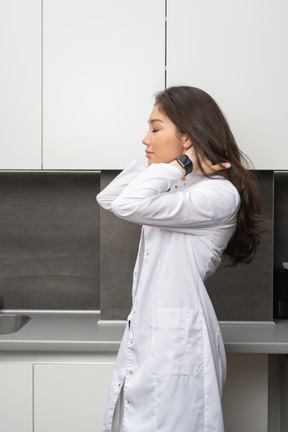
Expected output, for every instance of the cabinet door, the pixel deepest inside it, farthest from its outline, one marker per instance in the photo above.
(16, 397)
(245, 396)
(237, 51)
(103, 61)
(20, 84)
(70, 398)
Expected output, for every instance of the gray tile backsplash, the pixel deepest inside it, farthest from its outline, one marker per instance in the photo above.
(118, 248)
(281, 245)
(245, 292)
(241, 293)
(281, 216)
(58, 250)
(49, 237)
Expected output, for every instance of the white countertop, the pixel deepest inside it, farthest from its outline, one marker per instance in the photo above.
(56, 331)
(269, 338)
(85, 332)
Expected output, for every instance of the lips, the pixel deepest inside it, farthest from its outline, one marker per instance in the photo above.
(148, 154)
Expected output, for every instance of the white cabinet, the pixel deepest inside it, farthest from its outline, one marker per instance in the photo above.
(245, 395)
(238, 52)
(20, 84)
(16, 397)
(70, 398)
(77, 78)
(102, 62)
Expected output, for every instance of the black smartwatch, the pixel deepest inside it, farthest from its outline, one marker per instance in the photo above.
(185, 163)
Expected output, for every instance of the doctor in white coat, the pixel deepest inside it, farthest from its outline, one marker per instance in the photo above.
(195, 202)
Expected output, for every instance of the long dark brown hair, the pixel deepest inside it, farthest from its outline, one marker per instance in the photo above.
(196, 114)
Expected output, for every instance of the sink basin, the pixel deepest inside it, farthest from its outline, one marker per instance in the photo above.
(11, 323)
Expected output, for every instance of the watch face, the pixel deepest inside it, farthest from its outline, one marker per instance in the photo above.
(186, 159)
(186, 163)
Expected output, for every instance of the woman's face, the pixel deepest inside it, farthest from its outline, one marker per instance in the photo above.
(163, 143)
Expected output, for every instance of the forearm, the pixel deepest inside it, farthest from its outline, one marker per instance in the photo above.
(106, 197)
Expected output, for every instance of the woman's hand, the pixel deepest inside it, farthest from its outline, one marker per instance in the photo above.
(206, 164)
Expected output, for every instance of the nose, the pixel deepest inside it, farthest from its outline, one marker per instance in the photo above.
(146, 140)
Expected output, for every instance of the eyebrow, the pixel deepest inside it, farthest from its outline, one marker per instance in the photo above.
(155, 120)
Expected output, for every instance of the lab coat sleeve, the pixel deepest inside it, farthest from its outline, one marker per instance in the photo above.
(113, 190)
(148, 199)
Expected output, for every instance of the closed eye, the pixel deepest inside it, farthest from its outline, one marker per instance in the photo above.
(155, 130)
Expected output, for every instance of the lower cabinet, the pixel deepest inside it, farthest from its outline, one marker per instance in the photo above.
(16, 397)
(70, 398)
(245, 395)
(55, 395)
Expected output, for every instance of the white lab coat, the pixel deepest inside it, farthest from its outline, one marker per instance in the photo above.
(171, 365)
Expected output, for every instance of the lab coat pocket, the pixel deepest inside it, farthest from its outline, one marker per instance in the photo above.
(176, 342)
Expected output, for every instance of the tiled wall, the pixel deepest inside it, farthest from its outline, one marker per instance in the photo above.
(51, 228)
(49, 240)
(245, 292)
(281, 218)
(281, 245)
(118, 250)
(241, 293)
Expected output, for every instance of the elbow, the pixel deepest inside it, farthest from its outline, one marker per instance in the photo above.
(122, 209)
(103, 202)
(99, 199)
(117, 208)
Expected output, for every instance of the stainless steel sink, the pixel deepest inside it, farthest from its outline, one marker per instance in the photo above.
(11, 323)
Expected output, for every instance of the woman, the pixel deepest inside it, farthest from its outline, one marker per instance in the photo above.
(195, 201)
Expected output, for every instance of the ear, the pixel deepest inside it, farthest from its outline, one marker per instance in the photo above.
(186, 142)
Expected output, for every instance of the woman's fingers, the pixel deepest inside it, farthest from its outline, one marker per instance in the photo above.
(208, 168)
(206, 164)
(221, 166)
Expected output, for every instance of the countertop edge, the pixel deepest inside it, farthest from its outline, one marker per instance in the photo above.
(87, 333)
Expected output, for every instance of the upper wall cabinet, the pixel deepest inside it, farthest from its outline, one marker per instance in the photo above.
(237, 51)
(20, 84)
(102, 62)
